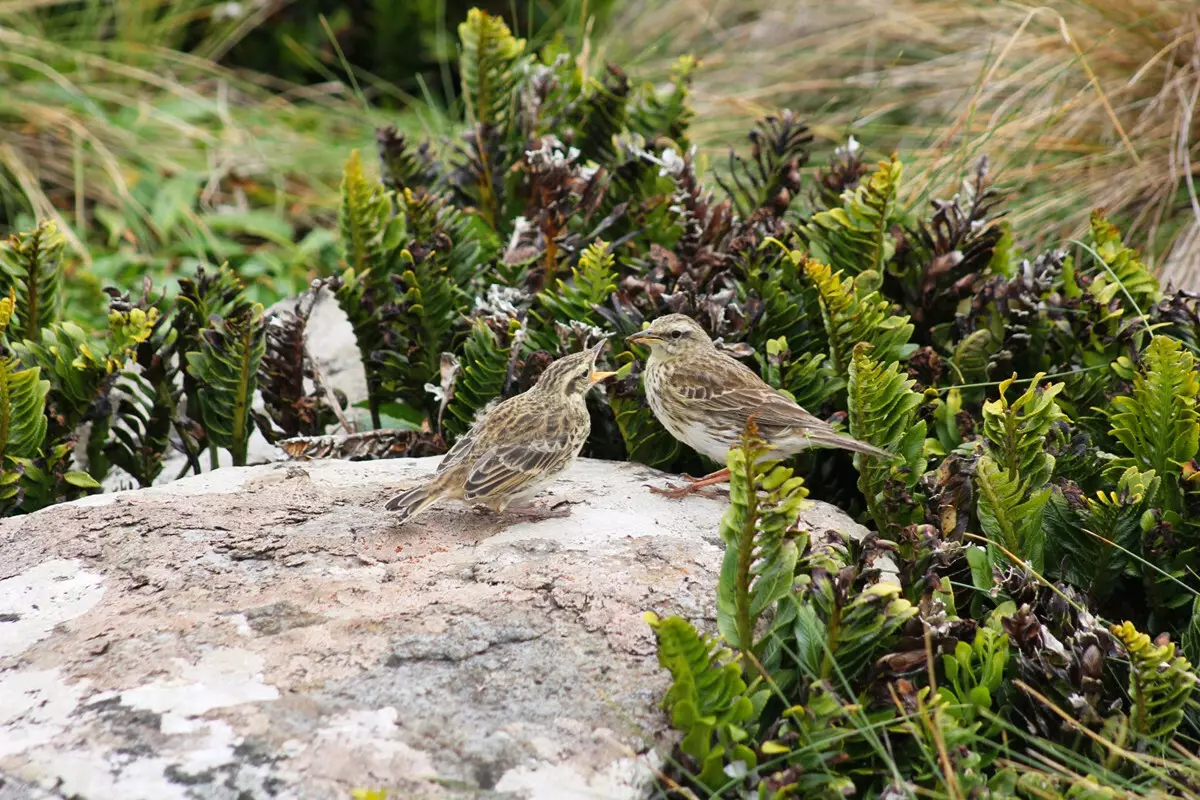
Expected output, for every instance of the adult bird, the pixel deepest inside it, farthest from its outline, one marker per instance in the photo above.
(703, 397)
(517, 446)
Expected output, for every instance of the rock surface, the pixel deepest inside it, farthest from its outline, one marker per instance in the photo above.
(269, 632)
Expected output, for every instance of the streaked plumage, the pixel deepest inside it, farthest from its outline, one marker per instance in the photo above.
(517, 446)
(703, 397)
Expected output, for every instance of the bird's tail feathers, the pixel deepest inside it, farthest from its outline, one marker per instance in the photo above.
(831, 438)
(415, 500)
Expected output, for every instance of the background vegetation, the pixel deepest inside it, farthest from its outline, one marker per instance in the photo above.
(1022, 620)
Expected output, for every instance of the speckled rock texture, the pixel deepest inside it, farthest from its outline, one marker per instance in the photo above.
(269, 632)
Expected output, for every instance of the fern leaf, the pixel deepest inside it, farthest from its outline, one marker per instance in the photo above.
(22, 410)
(1157, 422)
(1093, 537)
(840, 636)
(883, 412)
(855, 312)
(708, 699)
(1160, 685)
(482, 372)
(1011, 476)
(858, 236)
(1120, 276)
(1009, 513)
(592, 283)
(808, 378)
(227, 367)
(761, 542)
(363, 218)
(31, 266)
(77, 371)
(1016, 433)
(489, 66)
(419, 323)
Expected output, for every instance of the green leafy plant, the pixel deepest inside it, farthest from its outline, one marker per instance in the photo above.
(883, 412)
(761, 543)
(1160, 685)
(708, 699)
(226, 366)
(1012, 476)
(32, 265)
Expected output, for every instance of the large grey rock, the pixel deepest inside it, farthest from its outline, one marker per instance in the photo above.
(269, 632)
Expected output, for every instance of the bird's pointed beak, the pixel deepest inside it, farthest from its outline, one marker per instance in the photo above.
(643, 337)
(596, 377)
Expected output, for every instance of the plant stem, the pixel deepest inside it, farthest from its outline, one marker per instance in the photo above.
(745, 625)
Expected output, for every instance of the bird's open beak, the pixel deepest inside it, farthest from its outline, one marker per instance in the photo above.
(596, 377)
(643, 337)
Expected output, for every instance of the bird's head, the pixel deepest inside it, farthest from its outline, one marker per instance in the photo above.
(575, 374)
(674, 336)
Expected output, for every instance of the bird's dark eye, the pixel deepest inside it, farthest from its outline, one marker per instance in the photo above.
(676, 334)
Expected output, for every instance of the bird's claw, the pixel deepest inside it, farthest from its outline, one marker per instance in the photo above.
(680, 492)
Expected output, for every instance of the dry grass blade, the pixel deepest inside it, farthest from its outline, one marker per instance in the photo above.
(1080, 104)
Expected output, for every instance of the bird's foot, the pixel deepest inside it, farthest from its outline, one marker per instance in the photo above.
(694, 486)
(537, 511)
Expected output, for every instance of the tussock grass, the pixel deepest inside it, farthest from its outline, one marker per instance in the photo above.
(97, 98)
(1079, 104)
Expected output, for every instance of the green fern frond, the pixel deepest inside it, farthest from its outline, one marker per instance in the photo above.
(646, 440)
(141, 430)
(808, 378)
(483, 368)
(1121, 271)
(488, 68)
(22, 410)
(791, 306)
(76, 369)
(854, 312)
(883, 412)
(363, 218)
(839, 638)
(1094, 537)
(1011, 477)
(708, 699)
(858, 236)
(592, 282)
(1160, 685)
(420, 323)
(226, 365)
(1157, 422)
(1016, 433)
(31, 266)
(762, 543)
(203, 296)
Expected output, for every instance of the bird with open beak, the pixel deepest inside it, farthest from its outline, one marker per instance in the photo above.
(516, 447)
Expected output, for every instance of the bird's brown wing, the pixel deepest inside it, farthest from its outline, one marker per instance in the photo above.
(722, 393)
(508, 469)
(465, 444)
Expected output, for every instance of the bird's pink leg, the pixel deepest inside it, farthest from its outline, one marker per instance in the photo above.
(693, 485)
